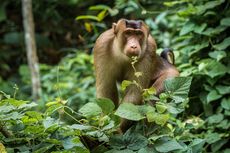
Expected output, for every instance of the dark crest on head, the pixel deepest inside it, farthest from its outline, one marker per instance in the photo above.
(133, 24)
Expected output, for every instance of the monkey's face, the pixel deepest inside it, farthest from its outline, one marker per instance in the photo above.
(133, 42)
(132, 37)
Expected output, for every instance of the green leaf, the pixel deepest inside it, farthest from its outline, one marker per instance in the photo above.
(188, 27)
(113, 12)
(209, 5)
(101, 15)
(174, 109)
(218, 55)
(120, 151)
(214, 31)
(80, 127)
(187, 11)
(225, 21)
(136, 141)
(224, 124)
(213, 95)
(216, 118)
(223, 89)
(12, 116)
(87, 17)
(27, 106)
(179, 87)
(99, 7)
(223, 45)
(130, 140)
(171, 4)
(161, 119)
(161, 108)
(48, 122)
(149, 111)
(34, 114)
(200, 29)
(148, 149)
(14, 102)
(129, 111)
(90, 110)
(215, 147)
(125, 84)
(168, 146)
(198, 48)
(156, 137)
(212, 68)
(6, 109)
(212, 137)
(149, 93)
(117, 142)
(197, 145)
(106, 105)
(70, 142)
(225, 103)
(51, 109)
(44, 148)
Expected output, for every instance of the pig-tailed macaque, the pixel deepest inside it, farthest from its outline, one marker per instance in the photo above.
(112, 59)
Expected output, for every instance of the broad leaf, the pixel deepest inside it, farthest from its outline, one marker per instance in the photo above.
(161, 119)
(218, 55)
(223, 45)
(217, 118)
(161, 108)
(212, 68)
(197, 145)
(212, 137)
(134, 141)
(179, 87)
(223, 89)
(214, 31)
(70, 142)
(120, 151)
(213, 95)
(225, 21)
(90, 110)
(209, 5)
(106, 105)
(129, 111)
(80, 127)
(168, 146)
(217, 145)
(48, 122)
(188, 27)
(130, 140)
(225, 103)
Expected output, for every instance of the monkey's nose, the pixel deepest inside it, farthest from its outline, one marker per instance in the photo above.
(134, 47)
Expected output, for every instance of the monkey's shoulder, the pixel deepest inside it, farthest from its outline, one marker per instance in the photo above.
(105, 37)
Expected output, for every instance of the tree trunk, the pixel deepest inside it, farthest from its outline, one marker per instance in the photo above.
(32, 58)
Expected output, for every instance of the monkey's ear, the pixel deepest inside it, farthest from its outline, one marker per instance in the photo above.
(115, 28)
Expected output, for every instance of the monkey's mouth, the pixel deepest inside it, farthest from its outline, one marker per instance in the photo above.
(131, 53)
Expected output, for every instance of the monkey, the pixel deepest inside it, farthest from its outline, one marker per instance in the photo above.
(113, 50)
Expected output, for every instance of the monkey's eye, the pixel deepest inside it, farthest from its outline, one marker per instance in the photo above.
(139, 33)
(128, 33)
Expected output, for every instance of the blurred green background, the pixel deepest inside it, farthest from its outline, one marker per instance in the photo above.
(65, 31)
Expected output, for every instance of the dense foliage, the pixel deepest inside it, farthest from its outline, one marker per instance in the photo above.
(68, 118)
